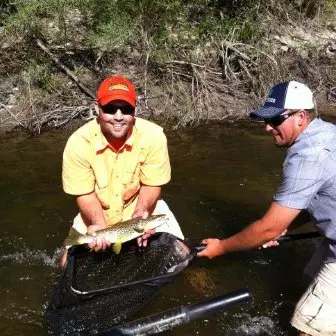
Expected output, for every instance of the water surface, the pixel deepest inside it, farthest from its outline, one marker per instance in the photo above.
(223, 177)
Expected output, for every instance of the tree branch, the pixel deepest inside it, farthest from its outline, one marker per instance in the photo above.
(61, 66)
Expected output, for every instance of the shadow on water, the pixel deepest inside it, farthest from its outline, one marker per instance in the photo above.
(223, 177)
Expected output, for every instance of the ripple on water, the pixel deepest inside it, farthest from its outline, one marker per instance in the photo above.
(261, 260)
(245, 324)
(25, 255)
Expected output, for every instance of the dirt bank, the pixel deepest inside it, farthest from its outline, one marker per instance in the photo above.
(55, 85)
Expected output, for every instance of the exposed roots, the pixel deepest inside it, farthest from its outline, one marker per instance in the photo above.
(220, 90)
(227, 88)
(228, 84)
(34, 122)
(56, 118)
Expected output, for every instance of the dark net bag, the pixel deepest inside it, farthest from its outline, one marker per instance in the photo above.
(100, 290)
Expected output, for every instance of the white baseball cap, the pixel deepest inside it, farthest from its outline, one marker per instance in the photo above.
(290, 95)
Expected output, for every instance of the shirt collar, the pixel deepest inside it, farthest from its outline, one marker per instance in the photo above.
(316, 135)
(102, 144)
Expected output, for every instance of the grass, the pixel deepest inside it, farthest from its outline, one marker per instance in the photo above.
(196, 51)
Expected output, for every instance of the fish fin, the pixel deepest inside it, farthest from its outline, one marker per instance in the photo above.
(139, 229)
(147, 227)
(117, 247)
(143, 228)
(72, 238)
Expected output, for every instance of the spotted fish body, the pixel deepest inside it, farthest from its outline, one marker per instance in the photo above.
(120, 232)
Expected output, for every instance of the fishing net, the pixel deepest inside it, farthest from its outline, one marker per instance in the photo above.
(100, 290)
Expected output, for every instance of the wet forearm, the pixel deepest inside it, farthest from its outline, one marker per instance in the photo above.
(148, 196)
(91, 209)
(251, 237)
(269, 227)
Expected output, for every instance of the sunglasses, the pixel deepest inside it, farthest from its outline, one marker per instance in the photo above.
(112, 109)
(278, 120)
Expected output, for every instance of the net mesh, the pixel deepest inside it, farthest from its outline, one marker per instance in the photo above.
(100, 290)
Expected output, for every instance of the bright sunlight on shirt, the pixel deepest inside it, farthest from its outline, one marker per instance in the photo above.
(90, 164)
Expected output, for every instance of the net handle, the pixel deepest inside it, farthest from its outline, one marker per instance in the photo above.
(285, 238)
(298, 236)
(197, 248)
(175, 317)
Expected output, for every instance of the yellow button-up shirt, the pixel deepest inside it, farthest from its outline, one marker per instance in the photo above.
(91, 164)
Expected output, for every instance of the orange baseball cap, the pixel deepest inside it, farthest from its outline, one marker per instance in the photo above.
(116, 88)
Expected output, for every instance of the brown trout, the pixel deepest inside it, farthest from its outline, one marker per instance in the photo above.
(118, 233)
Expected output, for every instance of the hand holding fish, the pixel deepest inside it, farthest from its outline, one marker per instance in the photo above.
(143, 240)
(98, 243)
(117, 234)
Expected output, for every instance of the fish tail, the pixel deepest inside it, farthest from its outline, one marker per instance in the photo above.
(74, 238)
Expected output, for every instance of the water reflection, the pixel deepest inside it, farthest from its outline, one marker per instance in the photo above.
(223, 177)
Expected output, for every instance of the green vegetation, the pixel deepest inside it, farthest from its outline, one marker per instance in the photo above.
(196, 50)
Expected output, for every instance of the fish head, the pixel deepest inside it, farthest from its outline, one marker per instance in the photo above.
(140, 227)
(150, 223)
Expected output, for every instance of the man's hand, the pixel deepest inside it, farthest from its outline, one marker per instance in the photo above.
(98, 244)
(214, 248)
(274, 242)
(63, 258)
(143, 240)
(143, 213)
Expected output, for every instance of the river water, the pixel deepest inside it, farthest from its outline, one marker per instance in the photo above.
(223, 177)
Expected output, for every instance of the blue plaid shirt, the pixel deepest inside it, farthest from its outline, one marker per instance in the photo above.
(309, 179)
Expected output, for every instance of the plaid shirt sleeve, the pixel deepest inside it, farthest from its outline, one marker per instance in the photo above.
(302, 178)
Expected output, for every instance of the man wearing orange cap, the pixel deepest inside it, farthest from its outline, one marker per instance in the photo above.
(116, 164)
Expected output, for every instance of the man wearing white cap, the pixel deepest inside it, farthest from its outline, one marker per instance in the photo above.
(308, 183)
